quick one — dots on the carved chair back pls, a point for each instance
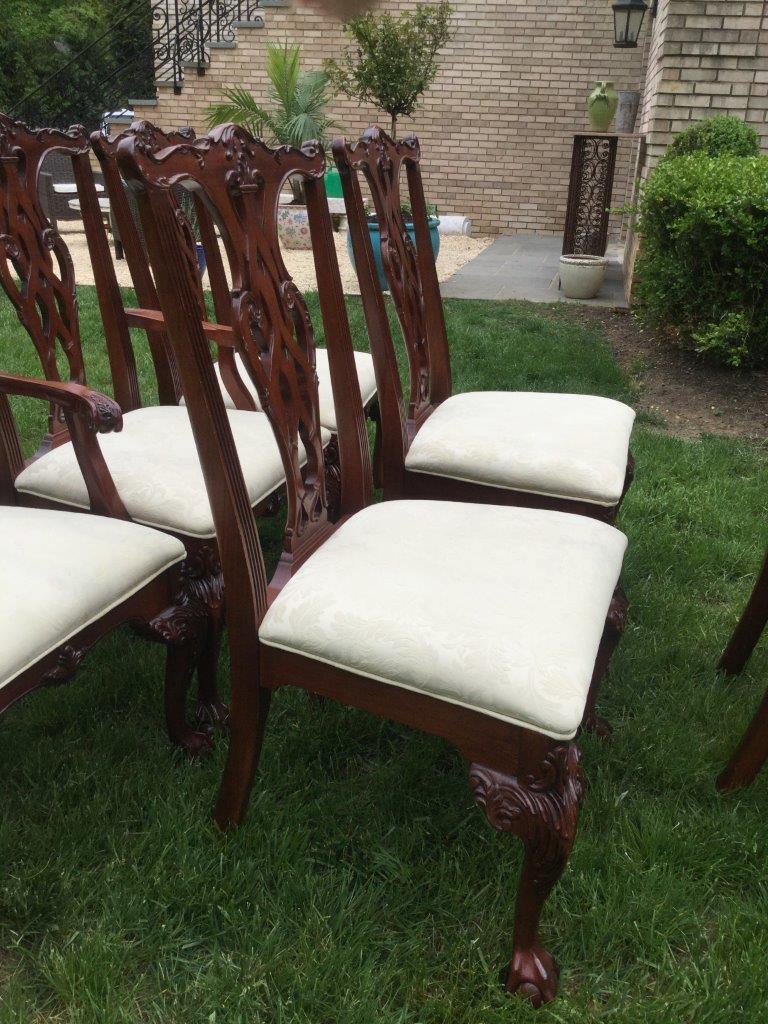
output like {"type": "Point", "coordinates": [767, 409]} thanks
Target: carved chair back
{"type": "Point", "coordinates": [239, 179]}
{"type": "Point", "coordinates": [36, 270]}
{"type": "Point", "coordinates": [410, 273]}
{"type": "Point", "coordinates": [126, 216]}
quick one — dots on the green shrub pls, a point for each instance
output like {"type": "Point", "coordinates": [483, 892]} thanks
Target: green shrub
{"type": "Point", "coordinates": [702, 272]}
{"type": "Point", "coordinates": [721, 135]}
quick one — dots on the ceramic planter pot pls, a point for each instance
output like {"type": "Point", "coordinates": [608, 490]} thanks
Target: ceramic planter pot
{"type": "Point", "coordinates": [293, 227]}
{"type": "Point", "coordinates": [581, 277]}
{"type": "Point", "coordinates": [601, 106]}
{"type": "Point", "coordinates": [373, 230]}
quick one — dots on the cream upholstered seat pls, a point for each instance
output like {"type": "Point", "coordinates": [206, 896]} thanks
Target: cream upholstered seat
{"type": "Point", "coordinates": [365, 376]}
{"type": "Point", "coordinates": [156, 468]}
{"type": "Point", "coordinates": [563, 446]}
{"type": "Point", "coordinates": [64, 570]}
{"type": "Point", "coordinates": [496, 609]}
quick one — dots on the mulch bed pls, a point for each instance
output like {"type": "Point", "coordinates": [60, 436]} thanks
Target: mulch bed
{"type": "Point", "coordinates": [686, 394]}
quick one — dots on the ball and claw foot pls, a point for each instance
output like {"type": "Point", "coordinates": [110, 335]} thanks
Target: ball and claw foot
{"type": "Point", "coordinates": [194, 743]}
{"type": "Point", "coordinates": [533, 974]}
{"type": "Point", "coordinates": [599, 725]}
{"type": "Point", "coordinates": [212, 716]}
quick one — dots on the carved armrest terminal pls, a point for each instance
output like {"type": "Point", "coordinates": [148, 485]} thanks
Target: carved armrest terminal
{"type": "Point", "coordinates": [87, 413]}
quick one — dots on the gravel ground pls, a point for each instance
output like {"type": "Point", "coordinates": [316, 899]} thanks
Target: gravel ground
{"type": "Point", "coordinates": [455, 251]}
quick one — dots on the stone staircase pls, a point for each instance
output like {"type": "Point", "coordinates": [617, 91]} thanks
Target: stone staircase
{"type": "Point", "coordinates": [203, 40]}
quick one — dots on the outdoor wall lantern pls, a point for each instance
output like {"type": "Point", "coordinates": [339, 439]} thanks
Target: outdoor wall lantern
{"type": "Point", "coordinates": [627, 21]}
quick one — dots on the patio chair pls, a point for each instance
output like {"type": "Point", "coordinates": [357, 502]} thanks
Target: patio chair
{"type": "Point", "coordinates": [150, 471]}
{"type": "Point", "coordinates": [69, 579]}
{"type": "Point", "coordinates": [57, 188]}
{"type": "Point", "coordinates": [555, 451]}
{"type": "Point", "coordinates": [239, 392]}
{"type": "Point", "coordinates": [752, 751]}
{"type": "Point", "coordinates": [479, 624]}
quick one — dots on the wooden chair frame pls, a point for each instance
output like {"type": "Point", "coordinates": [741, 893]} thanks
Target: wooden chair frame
{"type": "Point", "coordinates": [149, 316]}
{"type": "Point", "coordinates": [752, 751]}
{"type": "Point", "coordinates": [45, 300]}
{"type": "Point", "coordinates": [415, 291]}
{"type": "Point", "coordinates": [528, 784]}
{"type": "Point", "coordinates": [163, 610]}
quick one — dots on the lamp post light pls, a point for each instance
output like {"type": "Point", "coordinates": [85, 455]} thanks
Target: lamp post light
{"type": "Point", "coordinates": [627, 21]}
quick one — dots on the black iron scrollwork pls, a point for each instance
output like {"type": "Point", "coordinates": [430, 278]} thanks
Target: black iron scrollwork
{"type": "Point", "coordinates": [589, 194]}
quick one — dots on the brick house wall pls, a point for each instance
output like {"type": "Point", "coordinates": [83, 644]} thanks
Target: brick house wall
{"type": "Point", "coordinates": [497, 125]}
{"type": "Point", "coordinates": [705, 57]}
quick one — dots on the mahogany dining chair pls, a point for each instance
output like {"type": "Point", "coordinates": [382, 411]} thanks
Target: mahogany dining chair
{"type": "Point", "coordinates": [481, 624]}
{"type": "Point", "coordinates": [532, 449]}
{"type": "Point", "coordinates": [148, 472]}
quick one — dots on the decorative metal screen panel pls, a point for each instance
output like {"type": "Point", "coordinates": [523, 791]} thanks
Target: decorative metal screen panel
{"type": "Point", "coordinates": [589, 194]}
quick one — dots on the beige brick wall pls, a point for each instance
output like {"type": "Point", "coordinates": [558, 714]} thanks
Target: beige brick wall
{"type": "Point", "coordinates": [706, 57]}
{"type": "Point", "coordinates": [497, 125]}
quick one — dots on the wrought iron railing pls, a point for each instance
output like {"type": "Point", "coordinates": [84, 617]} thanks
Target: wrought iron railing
{"type": "Point", "coordinates": [182, 31]}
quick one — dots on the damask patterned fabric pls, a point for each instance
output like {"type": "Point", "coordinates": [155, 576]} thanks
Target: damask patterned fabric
{"type": "Point", "coordinates": [156, 470]}
{"type": "Point", "coordinates": [365, 375]}
{"type": "Point", "coordinates": [564, 446]}
{"type": "Point", "coordinates": [64, 570]}
{"type": "Point", "coordinates": [496, 609]}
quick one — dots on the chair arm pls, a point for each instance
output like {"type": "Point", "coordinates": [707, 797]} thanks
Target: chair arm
{"type": "Point", "coordinates": [221, 335]}
{"type": "Point", "coordinates": [97, 413]}
{"type": "Point", "coordinates": [87, 413]}
{"type": "Point", "coordinates": [150, 319]}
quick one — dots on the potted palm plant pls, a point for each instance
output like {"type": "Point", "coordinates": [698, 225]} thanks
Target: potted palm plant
{"type": "Point", "coordinates": [298, 113]}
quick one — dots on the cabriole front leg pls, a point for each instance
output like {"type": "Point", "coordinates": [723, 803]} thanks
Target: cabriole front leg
{"type": "Point", "coordinates": [186, 627]}
{"type": "Point", "coordinates": [540, 805]}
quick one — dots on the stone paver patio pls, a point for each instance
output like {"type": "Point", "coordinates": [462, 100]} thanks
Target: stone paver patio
{"type": "Point", "coordinates": [526, 267]}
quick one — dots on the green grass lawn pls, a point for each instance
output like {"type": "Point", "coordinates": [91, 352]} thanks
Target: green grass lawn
{"type": "Point", "coordinates": [364, 886]}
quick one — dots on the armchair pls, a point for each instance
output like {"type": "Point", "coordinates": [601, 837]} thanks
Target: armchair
{"type": "Point", "coordinates": [149, 470]}
{"type": "Point", "coordinates": [69, 579]}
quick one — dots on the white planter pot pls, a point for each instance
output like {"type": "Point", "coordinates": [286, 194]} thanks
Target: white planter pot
{"type": "Point", "coordinates": [293, 227]}
{"type": "Point", "coordinates": [581, 277]}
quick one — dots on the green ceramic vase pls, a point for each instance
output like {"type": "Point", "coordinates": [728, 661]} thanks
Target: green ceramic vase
{"type": "Point", "coordinates": [601, 106]}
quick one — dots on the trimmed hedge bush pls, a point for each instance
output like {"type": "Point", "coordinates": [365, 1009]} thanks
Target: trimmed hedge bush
{"type": "Point", "coordinates": [703, 268]}
{"type": "Point", "coordinates": [722, 135]}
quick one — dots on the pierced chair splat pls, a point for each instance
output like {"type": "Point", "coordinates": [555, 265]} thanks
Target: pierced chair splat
{"type": "Point", "coordinates": [554, 451]}
{"type": "Point", "coordinates": [364, 610]}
